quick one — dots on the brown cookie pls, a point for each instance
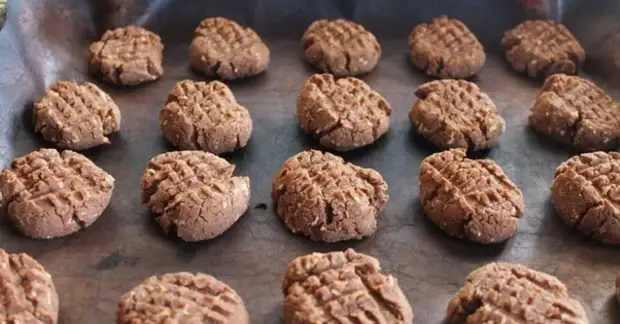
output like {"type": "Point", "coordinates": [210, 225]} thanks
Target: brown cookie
{"type": "Point", "coordinates": [574, 111]}
{"type": "Point", "coordinates": [446, 48]}
{"type": "Point", "coordinates": [586, 194]}
{"type": "Point", "coordinates": [28, 294]}
{"type": "Point", "coordinates": [182, 298]}
{"type": "Point", "coordinates": [76, 116]}
{"type": "Point", "coordinates": [127, 56]}
{"type": "Point", "coordinates": [469, 199]}
{"type": "Point", "coordinates": [205, 116]}
{"type": "Point", "coordinates": [456, 113]}
{"type": "Point", "coordinates": [342, 287]}
{"type": "Point", "coordinates": [320, 196]}
{"type": "Point", "coordinates": [342, 114]}
{"type": "Point", "coordinates": [542, 48]}
{"type": "Point", "coordinates": [511, 293]}
{"type": "Point", "coordinates": [48, 194]}
{"type": "Point", "coordinates": [194, 194]}
{"type": "Point", "coordinates": [224, 49]}
{"type": "Point", "coordinates": [340, 47]}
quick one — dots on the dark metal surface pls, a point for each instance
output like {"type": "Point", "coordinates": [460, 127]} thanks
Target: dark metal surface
{"type": "Point", "coordinates": [44, 41]}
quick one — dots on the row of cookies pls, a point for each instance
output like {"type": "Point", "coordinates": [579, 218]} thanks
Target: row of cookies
{"type": "Point", "coordinates": [347, 287]}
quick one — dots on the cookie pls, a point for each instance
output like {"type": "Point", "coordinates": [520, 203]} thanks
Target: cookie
{"type": "Point", "coordinates": [511, 293]}
{"type": "Point", "coordinates": [586, 192]}
{"type": "Point", "coordinates": [574, 111]}
{"type": "Point", "coordinates": [127, 56]}
{"type": "Point", "coordinates": [446, 49]}
{"type": "Point", "coordinates": [194, 194]}
{"type": "Point", "coordinates": [342, 287]}
{"type": "Point", "coordinates": [340, 47]}
{"type": "Point", "coordinates": [205, 116]}
{"type": "Point", "coordinates": [321, 196]}
{"type": "Point", "coordinates": [49, 194]}
{"type": "Point", "coordinates": [456, 114]}
{"type": "Point", "coordinates": [342, 114]}
{"type": "Point", "coordinates": [76, 116]}
{"type": "Point", "coordinates": [224, 49]}
{"type": "Point", "coordinates": [182, 298]}
{"type": "Point", "coordinates": [469, 199]}
{"type": "Point", "coordinates": [542, 48]}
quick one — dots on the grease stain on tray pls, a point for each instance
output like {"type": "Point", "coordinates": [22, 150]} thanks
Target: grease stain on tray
{"type": "Point", "coordinates": [116, 259]}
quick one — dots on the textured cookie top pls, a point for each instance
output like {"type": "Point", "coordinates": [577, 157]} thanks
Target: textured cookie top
{"type": "Point", "coordinates": [49, 194]}
{"type": "Point", "coordinates": [76, 116]}
{"type": "Point", "coordinates": [127, 55]}
{"type": "Point", "coordinates": [340, 47]}
{"type": "Point", "coordinates": [324, 198]}
{"type": "Point", "coordinates": [446, 48]}
{"type": "Point", "coordinates": [194, 194]}
{"type": "Point", "coordinates": [182, 298]}
{"type": "Point", "coordinates": [205, 116]}
{"type": "Point", "coordinates": [28, 294]}
{"type": "Point", "coordinates": [342, 287]}
{"type": "Point", "coordinates": [456, 113]}
{"type": "Point", "coordinates": [586, 194]}
{"type": "Point", "coordinates": [512, 293]}
{"type": "Point", "coordinates": [575, 111]}
{"type": "Point", "coordinates": [468, 198]}
{"type": "Point", "coordinates": [543, 47]}
{"type": "Point", "coordinates": [343, 114]}
{"type": "Point", "coordinates": [223, 48]}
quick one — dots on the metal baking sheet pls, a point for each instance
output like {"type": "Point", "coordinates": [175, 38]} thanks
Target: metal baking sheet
{"type": "Point", "coordinates": [45, 41]}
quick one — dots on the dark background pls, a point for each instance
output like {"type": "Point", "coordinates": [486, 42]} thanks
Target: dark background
{"type": "Point", "coordinates": [45, 41]}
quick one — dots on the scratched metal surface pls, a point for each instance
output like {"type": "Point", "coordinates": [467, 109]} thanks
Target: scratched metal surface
{"type": "Point", "coordinates": [46, 41]}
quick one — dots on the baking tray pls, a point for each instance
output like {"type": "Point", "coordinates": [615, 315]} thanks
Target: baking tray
{"type": "Point", "coordinates": [44, 41]}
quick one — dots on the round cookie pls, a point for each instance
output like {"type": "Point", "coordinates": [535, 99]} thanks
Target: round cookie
{"type": "Point", "coordinates": [224, 49]}
{"type": "Point", "coordinates": [575, 111]}
{"type": "Point", "coordinates": [49, 194]}
{"type": "Point", "coordinates": [76, 116]}
{"type": "Point", "coordinates": [342, 287]}
{"type": "Point", "coordinates": [456, 114]}
{"type": "Point", "coordinates": [320, 196]}
{"type": "Point", "coordinates": [205, 116]}
{"type": "Point", "coordinates": [340, 47]}
{"type": "Point", "coordinates": [127, 56]}
{"type": "Point", "coordinates": [586, 192]}
{"type": "Point", "coordinates": [182, 298]}
{"type": "Point", "coordinates": [194, 194]}
{"type": "Point", "coordinates": [342, 114]}
{"type": "Point", "coordinates": [543, 48]}
{"type": "Point", "coordinates": [469, 199]}
{"type": "Point", "coordinates": [28, 294]}
{"type": "Point", "coordinates": [511, 293]}
{"type": "Point", "coordinates": [446, 49]}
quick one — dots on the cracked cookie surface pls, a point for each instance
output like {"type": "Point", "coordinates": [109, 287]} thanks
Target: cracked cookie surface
{"type": "Point", "coordinates": [446, 48]}
{"type": "Point", "coordinates": [586, 194]}
{"type": "Point", "coordinates": [456, 114]}
{"type": "Point", "coordinates": [340, 47]}
{"type": "Point", "coordinates": [205, 116]}
{"type": "Point", "coordinates": [326, 199]}
{"type": "Point", "coordinates": [28, 294]}
{"type": "Point", "coordinates": [542, 48]}
{"type": "Point", "coordinates": [224, 49]}
{"type": "Point", "coordinates": [76, 116]}
{"type": "Point", "coordinates": [50, 194]}
{"type": "Point", "coordinates": [342, 287]}
{"type": "Point", "coordinates": [182, 298]}
{"type": "Point", "coordinates": [127, 56]}
{"type": "Point", "coordinates": [194, 194]}
{"type": "Point", "coordinates": [342, 114]}
{"type": "Point", "coordinates": [511, 293]}
{"type": "Point", "coordinates": [469, 199]}
{"type": "Point", "coordinates": [575, 111]}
